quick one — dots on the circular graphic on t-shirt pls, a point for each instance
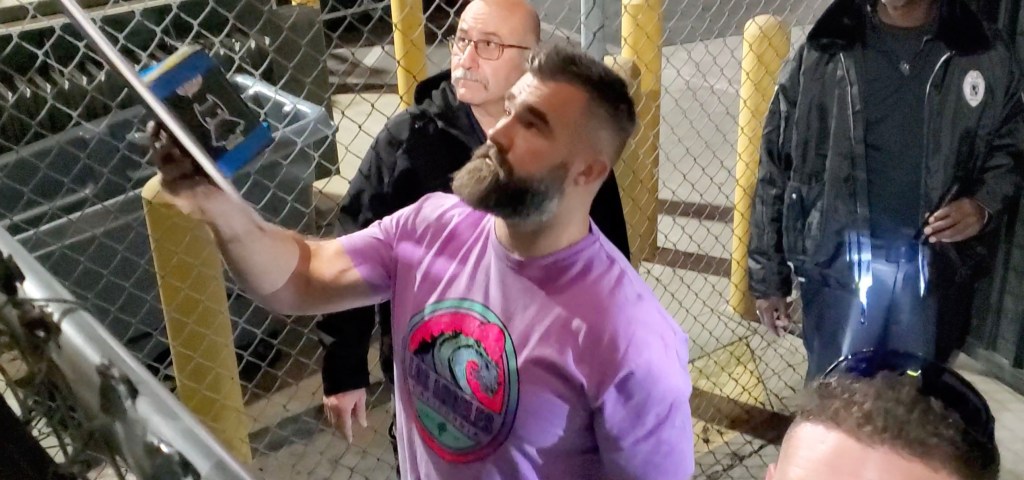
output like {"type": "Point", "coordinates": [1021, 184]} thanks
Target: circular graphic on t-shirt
{"type": "Point", "coordinates": [462, 377]}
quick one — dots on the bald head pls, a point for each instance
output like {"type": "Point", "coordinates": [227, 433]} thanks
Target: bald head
{"type": "Point", "coordinates": [489, 53]}
{"type": "Point", "coordinates": [520, 18]}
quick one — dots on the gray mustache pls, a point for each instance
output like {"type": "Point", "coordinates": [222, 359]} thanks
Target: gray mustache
{"type": "Point", "coordinates": [462, 74]}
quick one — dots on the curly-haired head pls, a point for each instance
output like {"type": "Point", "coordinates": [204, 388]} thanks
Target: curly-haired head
{"type": "Point", "coordinates": [881, 423]}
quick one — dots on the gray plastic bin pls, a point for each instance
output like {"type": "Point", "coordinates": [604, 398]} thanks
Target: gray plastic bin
{"type": "Point", "coordinates": [72, 200]}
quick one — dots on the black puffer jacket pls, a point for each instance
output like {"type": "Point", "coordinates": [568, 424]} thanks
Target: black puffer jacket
{"type": "Point", "coordinates": [811, 204]}
{"type": "Point", "coordinates": [417, 153]}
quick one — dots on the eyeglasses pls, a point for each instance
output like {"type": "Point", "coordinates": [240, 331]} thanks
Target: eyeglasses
{"type": "Point", "coordinates": [937, 381]}
{"type": "Point", "coordinates": [485, 49]}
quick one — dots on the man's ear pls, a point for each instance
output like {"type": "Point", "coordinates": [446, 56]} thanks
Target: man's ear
{"type": "Point", "coordinates": [770, 474]}
{"type": "Point", "coordinates": [594, 170]}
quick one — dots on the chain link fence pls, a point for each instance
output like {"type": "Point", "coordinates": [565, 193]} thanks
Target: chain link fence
{"type": "Point", "coordinates": [744, 380]}
{"type": "Point", "coordinates": [76, 403]}
{"type": "Point", "coordinates": [73, 162]}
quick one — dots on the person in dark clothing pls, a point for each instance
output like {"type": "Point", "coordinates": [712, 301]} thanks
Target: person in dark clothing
{"type": "Point", "coordinates": [417, 153]}
{"type": "Point", "coordinates": [891, 149]}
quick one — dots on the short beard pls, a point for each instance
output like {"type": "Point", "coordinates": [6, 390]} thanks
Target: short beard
{"type": "Point", "coordinates": [487, 184]}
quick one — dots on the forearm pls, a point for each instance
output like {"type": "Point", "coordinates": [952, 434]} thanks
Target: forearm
{"type": "Point", "coordinates": [261, 256]}
{"type": "Point", "coordinates": [347, 344]}
{"type": "Point", "coordinates": [322, 280]}
{"type": "Point", "coordinates": [769, 273]}
{"type": "Point", "coordinates": [278, 268]}
{"type": "Point", "coordinates": [998, 187]}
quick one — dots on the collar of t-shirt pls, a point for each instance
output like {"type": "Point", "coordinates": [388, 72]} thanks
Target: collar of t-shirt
{"type": "Point", "coordinates": [563, 260]}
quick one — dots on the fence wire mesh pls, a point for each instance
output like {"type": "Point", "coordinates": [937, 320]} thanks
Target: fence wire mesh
{"type": "Point", "coordinates": [77, 404]}
{"type": "Point", "coordinates": [72, 163]}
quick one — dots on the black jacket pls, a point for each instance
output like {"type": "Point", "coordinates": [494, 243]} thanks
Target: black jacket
{"type": "Point", "coordinates": [417, 153]}
{"type": "Point", "coordinates": [811, 208]}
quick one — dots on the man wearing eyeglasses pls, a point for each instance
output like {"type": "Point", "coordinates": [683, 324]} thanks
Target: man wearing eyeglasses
{"type": "Point", "coordinates": [886, 414]}
{"type": "Point", "coordinates": [417, 153]}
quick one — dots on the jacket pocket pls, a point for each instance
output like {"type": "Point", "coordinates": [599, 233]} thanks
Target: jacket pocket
{"type": "Point", "coordinates": [801, 220]}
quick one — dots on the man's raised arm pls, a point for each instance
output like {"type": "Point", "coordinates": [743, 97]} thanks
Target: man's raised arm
{"type": "Point", "coordinates": [279, 268]}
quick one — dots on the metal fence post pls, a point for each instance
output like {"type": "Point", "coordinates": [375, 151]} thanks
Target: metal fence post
{"type": "Point", "coordinates": [592, 27]}
{"type": "Point", "coordinates": [190, 275]}
{"type": "Point", "coordinates": [641, 42]}
{"type": "Point", "coordinates": [410, 46]}
{"type": "Point", "coordinates": [765, 46]}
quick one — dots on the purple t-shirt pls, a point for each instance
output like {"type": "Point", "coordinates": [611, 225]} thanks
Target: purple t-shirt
{"type": "Point", "coordinates": [563, 366]}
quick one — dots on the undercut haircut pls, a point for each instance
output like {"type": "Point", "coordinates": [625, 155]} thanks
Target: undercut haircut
{"type": "Point", "coordinates": [612, 108]}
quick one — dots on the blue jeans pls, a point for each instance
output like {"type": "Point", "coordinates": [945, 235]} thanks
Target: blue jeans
{"type": "Point", "coordinates": [896, 316]}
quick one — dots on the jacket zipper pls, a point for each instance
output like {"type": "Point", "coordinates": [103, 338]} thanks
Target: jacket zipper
{"type": "Point", "coordinates": [849, 98]}
{"type": "Point", "coordinates": [921, 258]}
{"type": "Point", "coordinates": [927, 122]}
{"type": "Point", "coordinates": [862, 265]}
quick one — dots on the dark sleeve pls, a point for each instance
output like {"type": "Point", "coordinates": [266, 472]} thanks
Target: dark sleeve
{"type": "Point", "coordinates": [998, 174]}
{"type": "Point", "coordinates": [607, 214]}
{"type": "Point", "coordinates": [770, 275]}
{"type": "Point", "coordinates": [369, 198]}
{"type": "Point", "coordinates": [347, 334]}
{"type": "Point", "coordinates": [346, 338]}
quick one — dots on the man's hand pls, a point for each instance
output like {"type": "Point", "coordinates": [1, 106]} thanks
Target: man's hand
{"type": "Point", "coordinates": [956, 222]}
{"type": "Point", "coordinates": [187, 186]}
{"type": "Point", "coordinates": [774, 314]}
{"type": "Point", "coordinates": [341, 407]}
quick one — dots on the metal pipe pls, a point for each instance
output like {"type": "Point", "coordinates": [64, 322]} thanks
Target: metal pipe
{"type": "Point", "coordinates": [641, 43]}
{"type": "Point", "coordinates": [765, 46]}
{"type": "Point", "coordinates": [129, 408]}
{"type": "Point", "coordinates": [190, 277]}
{"type": "Point", "coordinates": [410, 47]}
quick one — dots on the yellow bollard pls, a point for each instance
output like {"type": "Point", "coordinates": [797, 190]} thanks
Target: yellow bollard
{"type": "Point", "coordinates": [410, 46]}
{"type": "Point", "coordinates": [190, 275]}
{"type": "Point", "coordinates": [765, 46]}
{"type": "Point", "coordinates": [641, 43]}
{"type": "Point", "coordinates": [630, 163]}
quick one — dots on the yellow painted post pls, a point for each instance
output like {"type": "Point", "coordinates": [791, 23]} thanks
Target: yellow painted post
{"type": "Point", "coordinates": [641, 43]}
{"type": "Point", "coordinates": [626, 169]}
{"type": "Point", "coordinates": [190, 276]}
{"type": "Point", "coordinates": [765, 46]}
{"type": "Point", "coordinates": [410, 46]}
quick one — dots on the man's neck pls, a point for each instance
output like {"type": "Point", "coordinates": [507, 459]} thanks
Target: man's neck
{"type": "Point", "coordinates": [488, 115]}
{"type": "Point", "coordinates": [914, 14]}
{"type": "Point", "coordinates": [531, 241]}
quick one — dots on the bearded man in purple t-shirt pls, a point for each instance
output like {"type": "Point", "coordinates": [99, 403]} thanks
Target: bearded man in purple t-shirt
{"type": "Point", "coordinates": [526, 346]}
